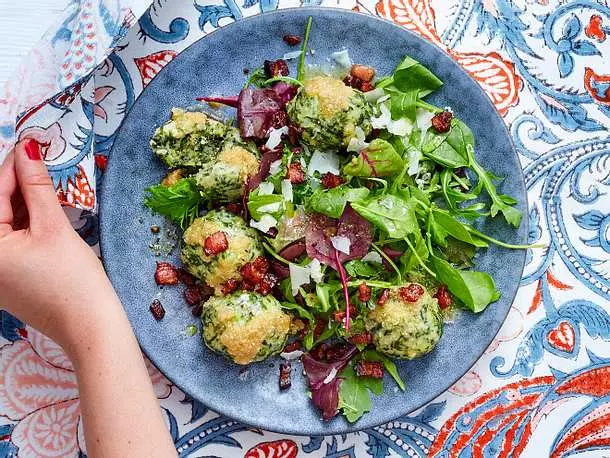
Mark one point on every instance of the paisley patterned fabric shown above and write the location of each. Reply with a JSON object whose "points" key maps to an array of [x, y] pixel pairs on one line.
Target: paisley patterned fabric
{"points": [[543, 386]]}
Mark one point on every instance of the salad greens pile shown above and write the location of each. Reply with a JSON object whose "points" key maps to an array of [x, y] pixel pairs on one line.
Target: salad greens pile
{"points": [[387, 221]]}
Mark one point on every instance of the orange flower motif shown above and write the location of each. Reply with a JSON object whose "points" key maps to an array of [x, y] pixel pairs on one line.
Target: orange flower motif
{"points": [[38, 389]]}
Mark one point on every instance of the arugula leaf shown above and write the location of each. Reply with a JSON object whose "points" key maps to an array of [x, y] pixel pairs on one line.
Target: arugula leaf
{"points": [[257, 78], [354, 397], [361, 269], [410, 75], [449, 148], [301, 311], [454, 198], [272, 204], [332, 202], [404, 104], [390, 367], [445, 224], [475, 289], [499, 202], [394, 215], [179, 202], [408, 260], [379, 159], [458, 252]]}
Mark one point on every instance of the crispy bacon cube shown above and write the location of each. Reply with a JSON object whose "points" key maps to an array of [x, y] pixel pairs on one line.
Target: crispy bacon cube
{"points": [[364, 292], [330, 180], [291, 40], [295, 173], [157, 310], [166, 274], [229, 287], [383, 297], [285, 374], [443, 296], [275, 68], [362, 339], [373, 369], [362, 72], [411, 293], [441, 122], [215, 243]]}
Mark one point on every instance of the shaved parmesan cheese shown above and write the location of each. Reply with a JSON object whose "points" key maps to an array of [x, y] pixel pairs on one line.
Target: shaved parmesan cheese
{"points": [[323, 163], [413, 158], [424, 119], [400, 127], [357, 143], [275, 167], [299, 276], [384, 118], [291, 355], [275, 137], [291, 55], [265, 188], [331, 376], [374, 95], [341, 243], [342, 58], [372, 256], [270, 208], [315, 270], [265, 224], [287, 190]]}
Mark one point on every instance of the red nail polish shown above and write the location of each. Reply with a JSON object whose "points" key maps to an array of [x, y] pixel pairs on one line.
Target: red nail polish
{"points": [[32, 149]]}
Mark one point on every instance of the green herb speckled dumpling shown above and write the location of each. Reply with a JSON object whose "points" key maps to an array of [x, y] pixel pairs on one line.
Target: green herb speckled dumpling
{"points": [[403, 329], [191, 139], [216, 270], [245, 326], [328, 111], [224, 180]]}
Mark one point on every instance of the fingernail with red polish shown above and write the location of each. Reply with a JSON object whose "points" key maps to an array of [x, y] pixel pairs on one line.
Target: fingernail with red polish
{"points": [[32, 149]]}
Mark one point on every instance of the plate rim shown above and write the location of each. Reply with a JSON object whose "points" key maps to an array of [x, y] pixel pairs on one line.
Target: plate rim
{"points": [[351, 427]]}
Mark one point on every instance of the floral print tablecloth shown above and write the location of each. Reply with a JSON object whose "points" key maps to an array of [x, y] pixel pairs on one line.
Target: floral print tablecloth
{"points": [[543, 386]]}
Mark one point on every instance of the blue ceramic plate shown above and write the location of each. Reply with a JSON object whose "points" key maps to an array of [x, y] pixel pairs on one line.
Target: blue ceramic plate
{"points": [[214, 65]]}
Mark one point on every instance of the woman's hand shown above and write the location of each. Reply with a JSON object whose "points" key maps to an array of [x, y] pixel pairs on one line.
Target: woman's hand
{"points": [[52, 280], [48, 275]]}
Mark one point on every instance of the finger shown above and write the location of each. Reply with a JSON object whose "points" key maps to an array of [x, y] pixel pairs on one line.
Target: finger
{"points": [[8, 187], [21, 219], [36, 186]]}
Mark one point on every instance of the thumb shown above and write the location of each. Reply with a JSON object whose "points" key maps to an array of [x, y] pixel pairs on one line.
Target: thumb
{"points": [[36, 185]]}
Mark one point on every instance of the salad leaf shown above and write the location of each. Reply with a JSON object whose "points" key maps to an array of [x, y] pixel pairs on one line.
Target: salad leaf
{"points": [[354, 397], [350, 225], [301, 311], [410, 75], [325, 396], [454, 198], [379, 159], [449, 148], [444, 223], [394, 215], [332, 202], [404, 104], [390, 367], [408, 259], [361, 269], [500, 202], [179, 202], [475, 289], [260, 205]]}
